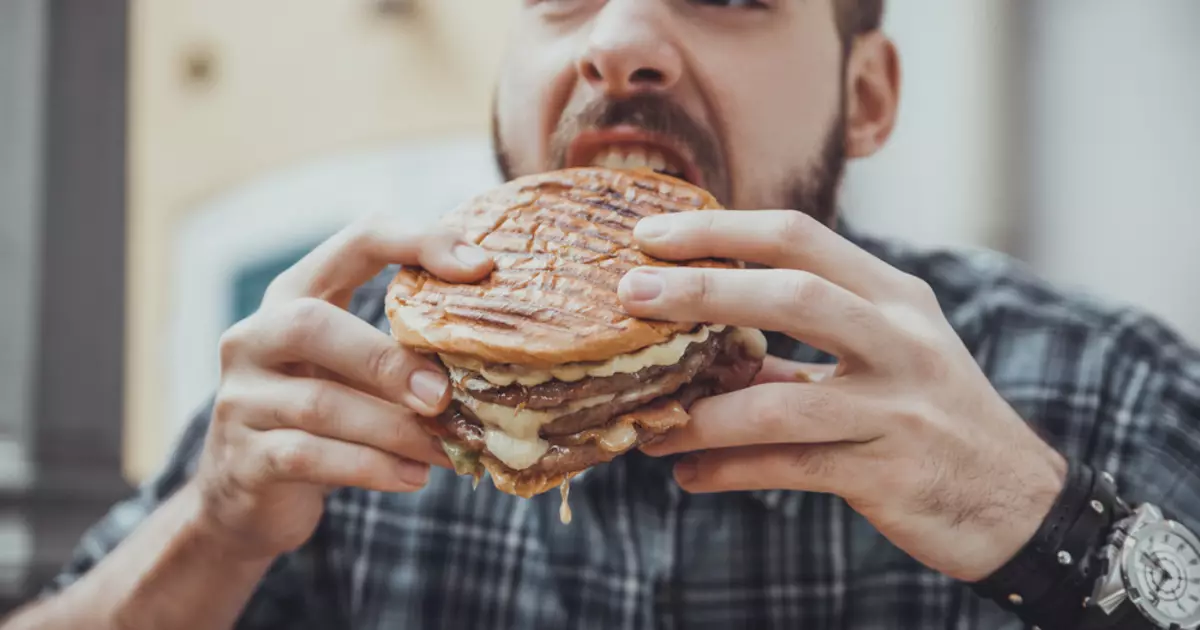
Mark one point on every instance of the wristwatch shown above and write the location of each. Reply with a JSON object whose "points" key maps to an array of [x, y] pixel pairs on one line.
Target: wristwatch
{"points": [[1151, 575]]}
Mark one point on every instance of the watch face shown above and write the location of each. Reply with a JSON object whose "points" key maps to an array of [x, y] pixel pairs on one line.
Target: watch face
{"points": [[1162, 574]]}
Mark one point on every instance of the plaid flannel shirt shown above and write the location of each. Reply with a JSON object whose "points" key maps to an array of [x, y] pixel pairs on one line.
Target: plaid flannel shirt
{"points": [[1101, 383]]}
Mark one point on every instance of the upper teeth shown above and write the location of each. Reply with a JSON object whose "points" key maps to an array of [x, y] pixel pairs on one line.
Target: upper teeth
{"points": [[635, 158]]}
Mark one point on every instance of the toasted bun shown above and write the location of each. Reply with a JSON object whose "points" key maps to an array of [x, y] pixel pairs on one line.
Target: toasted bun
{"points": [[561, 241]]}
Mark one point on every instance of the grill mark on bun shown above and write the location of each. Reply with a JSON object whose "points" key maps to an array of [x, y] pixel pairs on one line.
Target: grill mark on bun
{"points": [[561, 242]]}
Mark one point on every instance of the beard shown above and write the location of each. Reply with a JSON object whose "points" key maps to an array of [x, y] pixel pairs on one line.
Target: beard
{"points": [[812, 188]]}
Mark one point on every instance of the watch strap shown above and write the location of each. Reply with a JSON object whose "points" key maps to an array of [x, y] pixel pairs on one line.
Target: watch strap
{"points": [[1065, 605], [1046, 583], [1029, 575]]}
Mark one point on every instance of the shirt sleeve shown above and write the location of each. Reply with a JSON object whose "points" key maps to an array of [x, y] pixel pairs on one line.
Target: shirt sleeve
{"points": [[282, 599], [1153, 420], [120, 521], [278, 601]]}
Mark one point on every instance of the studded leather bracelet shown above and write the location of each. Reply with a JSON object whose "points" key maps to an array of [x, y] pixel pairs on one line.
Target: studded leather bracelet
{"points": [[1046, 583]]}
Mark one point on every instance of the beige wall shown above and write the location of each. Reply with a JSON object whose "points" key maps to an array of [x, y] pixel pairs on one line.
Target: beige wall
{"points": [[224, 91]]}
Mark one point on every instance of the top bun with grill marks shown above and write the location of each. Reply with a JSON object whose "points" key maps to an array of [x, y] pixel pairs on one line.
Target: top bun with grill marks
{"points": [[562, 242]]}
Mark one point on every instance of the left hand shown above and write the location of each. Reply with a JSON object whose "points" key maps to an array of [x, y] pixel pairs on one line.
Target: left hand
{"points": [[907, 430]]}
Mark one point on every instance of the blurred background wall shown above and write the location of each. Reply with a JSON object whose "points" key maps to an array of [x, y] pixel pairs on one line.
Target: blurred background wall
{"points": [[258, 129], [161, 160]]}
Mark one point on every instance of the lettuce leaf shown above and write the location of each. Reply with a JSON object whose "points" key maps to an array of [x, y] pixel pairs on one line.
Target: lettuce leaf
{"points": [[466, 462]]}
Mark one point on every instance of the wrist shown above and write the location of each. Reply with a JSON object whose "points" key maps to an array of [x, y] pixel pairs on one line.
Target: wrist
{"points": [[1025, 499], [1048, 579], [205, 528], [1043, 488]]}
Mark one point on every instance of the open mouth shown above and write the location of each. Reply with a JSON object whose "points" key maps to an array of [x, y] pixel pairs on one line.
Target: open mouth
{"points": [[630, 148]]}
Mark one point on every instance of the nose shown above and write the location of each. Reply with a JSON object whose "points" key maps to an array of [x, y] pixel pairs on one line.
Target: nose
{"points": [[629, 51]]}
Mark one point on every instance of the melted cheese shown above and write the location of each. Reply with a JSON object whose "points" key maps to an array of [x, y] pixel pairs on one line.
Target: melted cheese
{"points": [[511, 433], [524, 423], [666, 353], [516, 453], [564, 510], [512, 436], [618, 437]]}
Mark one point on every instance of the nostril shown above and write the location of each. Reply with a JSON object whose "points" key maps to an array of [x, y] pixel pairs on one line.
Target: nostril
{"points": [[647, 75], [591, 72]]}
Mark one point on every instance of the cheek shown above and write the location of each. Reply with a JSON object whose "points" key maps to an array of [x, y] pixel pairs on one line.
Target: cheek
{"points": [[528, 102], [517, 115], [776, 120]]}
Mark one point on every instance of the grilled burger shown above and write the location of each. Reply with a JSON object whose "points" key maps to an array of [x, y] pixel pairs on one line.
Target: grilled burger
{"points": [[549, 375]]}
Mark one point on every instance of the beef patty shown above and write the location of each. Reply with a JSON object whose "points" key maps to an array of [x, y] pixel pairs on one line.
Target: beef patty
{"points": [[555, 393], [729, 369], [630, 391]]}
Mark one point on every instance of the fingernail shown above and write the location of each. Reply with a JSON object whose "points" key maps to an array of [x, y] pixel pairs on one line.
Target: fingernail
{"points": [[641, 285], [651, 228], [413, 473], [428, 386], [470, 255], [685, 470]]}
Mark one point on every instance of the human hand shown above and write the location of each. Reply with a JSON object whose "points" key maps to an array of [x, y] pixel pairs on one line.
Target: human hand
{"points": [[907, 430], [311, 397]]}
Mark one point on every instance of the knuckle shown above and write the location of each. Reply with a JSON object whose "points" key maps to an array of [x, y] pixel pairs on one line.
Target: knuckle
{"points": [[703, 224], [364, 232], [288, 458], [227, 405], [305, 320], [438, 238], [909, 419], [795, 229], [366, 225], [313, 407], [714, 472], [804, 289], [232, 344], [276, 287], [393, 438], [387, 363], [918, 290], [771, 415], [699, 287]]}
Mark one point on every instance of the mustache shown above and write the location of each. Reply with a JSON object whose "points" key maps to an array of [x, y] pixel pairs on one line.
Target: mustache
{"points": [[650, 112]]}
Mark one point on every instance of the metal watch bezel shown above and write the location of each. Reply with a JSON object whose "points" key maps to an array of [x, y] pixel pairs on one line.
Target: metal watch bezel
{"points": [[1127, 557]]}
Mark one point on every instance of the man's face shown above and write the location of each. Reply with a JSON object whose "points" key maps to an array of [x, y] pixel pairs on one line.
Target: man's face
{"points": [[743, 97]]}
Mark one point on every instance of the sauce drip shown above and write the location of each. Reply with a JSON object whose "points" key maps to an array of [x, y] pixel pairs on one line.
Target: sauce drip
{"points": [[564, 510]]}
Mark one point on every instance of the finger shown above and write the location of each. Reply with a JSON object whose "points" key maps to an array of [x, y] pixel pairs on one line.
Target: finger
{"points": [[775, 413], [338, 412], [775, 238], [785, 239], [824, 468], [797, 303], [777, 370], [290, 455], [313, 331], [354, 255]]}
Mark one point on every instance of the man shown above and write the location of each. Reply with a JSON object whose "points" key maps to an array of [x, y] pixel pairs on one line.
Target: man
{"points": [[891, 492]]}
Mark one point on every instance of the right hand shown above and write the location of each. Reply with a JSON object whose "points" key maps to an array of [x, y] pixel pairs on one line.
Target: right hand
{"points": [[311, 397]]}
